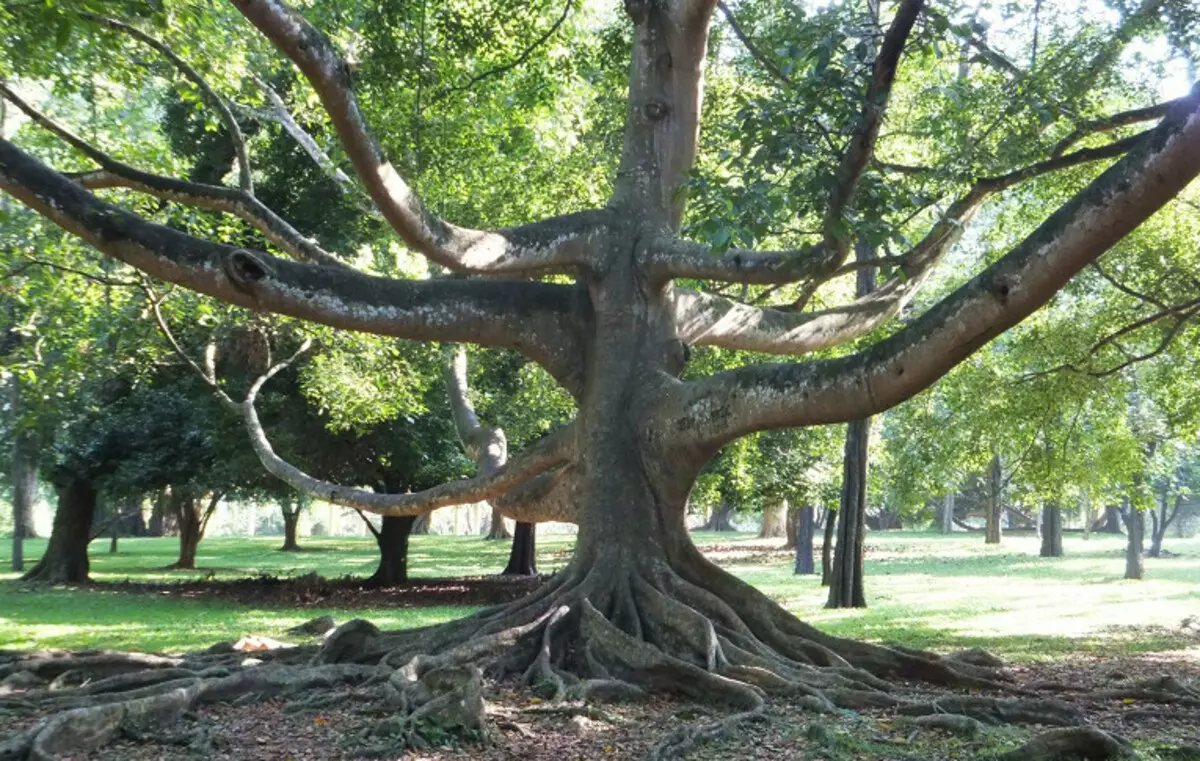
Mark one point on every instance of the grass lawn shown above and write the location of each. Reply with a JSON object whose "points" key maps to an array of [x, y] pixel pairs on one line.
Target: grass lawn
{"points": [[925, 590]]}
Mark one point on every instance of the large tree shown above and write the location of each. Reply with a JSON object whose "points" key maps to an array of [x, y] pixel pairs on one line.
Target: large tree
{"points": [[611, 301]]}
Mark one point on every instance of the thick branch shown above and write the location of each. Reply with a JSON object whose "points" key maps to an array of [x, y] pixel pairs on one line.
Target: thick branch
{"points": [[239, 203], [555, 245], [1116, 121], [716, 321], [245, 180], [758, 397], [536, 319]]}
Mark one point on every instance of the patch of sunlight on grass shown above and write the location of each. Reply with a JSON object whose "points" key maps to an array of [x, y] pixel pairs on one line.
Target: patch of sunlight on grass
{"points": [[925, 590]]}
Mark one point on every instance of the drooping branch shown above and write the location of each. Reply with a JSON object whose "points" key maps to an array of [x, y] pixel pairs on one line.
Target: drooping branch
{"points": [[560, 244], [538, 320], [245, 178], [717, 321], [758, 397], [236, 202]]}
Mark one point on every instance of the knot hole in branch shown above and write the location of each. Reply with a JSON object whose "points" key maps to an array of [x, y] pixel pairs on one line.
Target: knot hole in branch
{"points": [[655, 110], [245, 269]]}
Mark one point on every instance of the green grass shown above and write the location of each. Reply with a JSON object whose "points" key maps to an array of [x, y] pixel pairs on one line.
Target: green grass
{"points": [[925, 590]]}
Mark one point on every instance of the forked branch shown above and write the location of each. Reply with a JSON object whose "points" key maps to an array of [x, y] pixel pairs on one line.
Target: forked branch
{"points": [[561, 244], [758, 397]]}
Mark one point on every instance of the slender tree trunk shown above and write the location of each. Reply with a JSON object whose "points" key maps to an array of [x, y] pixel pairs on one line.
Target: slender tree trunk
{"points": [[805, 527], [24, 492], [831, 521], [948, 514], [846, 578], [497, 530], [1052, 533], [522, 560], [994, 509], [392, 540], [1161, 520], [774, 518], [66, 558]]}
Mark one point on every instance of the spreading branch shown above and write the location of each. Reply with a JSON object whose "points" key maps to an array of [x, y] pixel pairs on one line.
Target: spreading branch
{"points": [[278, 112], [717, 321], [560, 244], [245, 178], [758, 397], [538, 320], [236, 202]]}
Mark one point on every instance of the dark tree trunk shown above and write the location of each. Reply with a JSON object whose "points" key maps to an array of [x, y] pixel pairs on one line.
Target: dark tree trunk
{"points": [[497, 530], [1112, 520], [66, 558], [392, 540], [522, 559], [24, 491], [789, 525], [831, 520], [993, 508], [805, 527], [290, 510], [846, 577], [1161, 519], [192, 515], [947, 514], [1135, 524], [774, 520], [721, 519], [1052, 530]]}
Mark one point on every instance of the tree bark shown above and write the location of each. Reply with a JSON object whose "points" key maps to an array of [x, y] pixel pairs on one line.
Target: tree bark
{"points": [[790, 526], [948, 513], [392, 540], [291, 520], [721, 519], [994, 511], [1135, 524], [846, 579], [774, 520], [805, 529], [522, 559], [420, 525], [831, 522], [497, 530], [66, 558], [192, 515], [1052, 530], [1160, 520], [1112, 520], [24, 491]]}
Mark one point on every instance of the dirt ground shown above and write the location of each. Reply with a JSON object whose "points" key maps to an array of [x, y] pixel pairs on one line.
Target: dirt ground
{"points": [[521, 727]]}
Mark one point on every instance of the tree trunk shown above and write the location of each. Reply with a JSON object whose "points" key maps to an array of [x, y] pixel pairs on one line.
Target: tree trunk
{"points": [[790, 525], [291, 519], [1135, 524], [420, 525], [1052, 533], [993, 508], [24, 491], [66, 558], [948, 514], [497, 530], [522, 559], [805, 528], [1112, 520], [392, 540], [831, 521], [1161, 520], [846, 578], [720, 520], [192, 515], [774, 519]]}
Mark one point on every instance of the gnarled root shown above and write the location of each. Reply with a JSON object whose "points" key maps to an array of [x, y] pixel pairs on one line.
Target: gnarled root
{"points": [[1087, 743]]}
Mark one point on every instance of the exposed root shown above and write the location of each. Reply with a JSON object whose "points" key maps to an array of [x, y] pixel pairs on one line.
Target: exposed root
{"points": [[1075, 743], [999, 711]]}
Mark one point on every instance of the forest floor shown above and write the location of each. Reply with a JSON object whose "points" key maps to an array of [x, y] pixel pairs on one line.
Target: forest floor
{"points": [[1068, 622]]}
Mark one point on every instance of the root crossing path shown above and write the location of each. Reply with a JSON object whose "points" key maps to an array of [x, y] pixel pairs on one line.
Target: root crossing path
{"points": [[584, 638]]}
